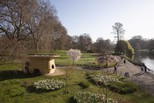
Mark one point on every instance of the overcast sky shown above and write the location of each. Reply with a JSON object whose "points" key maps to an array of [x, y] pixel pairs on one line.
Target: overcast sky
{"points": [[96, 17]]}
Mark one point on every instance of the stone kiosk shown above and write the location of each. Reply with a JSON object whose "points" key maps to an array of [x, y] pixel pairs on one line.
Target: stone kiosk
{"points": [[44, 64]]}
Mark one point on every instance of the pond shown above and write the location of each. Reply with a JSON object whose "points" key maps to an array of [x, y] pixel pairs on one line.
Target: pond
{"points": [[147, 59], [149, 62]]}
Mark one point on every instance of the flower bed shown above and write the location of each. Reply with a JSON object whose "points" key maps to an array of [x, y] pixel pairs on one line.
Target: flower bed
{"points": [[49, 85], [103, 79], [114, 84], [87, 97]]}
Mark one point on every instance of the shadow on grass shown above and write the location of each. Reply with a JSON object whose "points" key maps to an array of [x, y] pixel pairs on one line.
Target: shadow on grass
{"points": [[32, 89], [15, 74], [71, 100]]}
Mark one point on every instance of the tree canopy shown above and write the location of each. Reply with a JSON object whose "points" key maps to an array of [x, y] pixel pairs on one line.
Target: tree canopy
{"points": [[124, 47]]}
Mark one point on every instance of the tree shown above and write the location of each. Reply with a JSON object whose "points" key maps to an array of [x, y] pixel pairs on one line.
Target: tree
{"points": [[69, 42], [102, 46], [124, 47], [15, 19], [48, 28], [61, 42], [118, 30], [75, 42], [85, 42], [151, 45], [139, 43], [29, 25], [74, 54]]}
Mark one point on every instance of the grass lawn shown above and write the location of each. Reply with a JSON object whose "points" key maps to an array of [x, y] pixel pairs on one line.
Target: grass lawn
{"points": [[64, 59], [12, 91]]}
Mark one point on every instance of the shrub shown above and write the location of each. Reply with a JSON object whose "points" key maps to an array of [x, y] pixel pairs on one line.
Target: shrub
{"points": [[107, 61], [87, 97], [123, 87], [114, 84], [74, 54], [11, 82], [49, 85], [90, 65], [103, 79], [84, 84], [124, 47], [16, 90]]}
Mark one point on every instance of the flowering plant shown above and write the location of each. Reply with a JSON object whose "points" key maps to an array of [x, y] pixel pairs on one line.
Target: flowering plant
{"points": [[49, 84], [104, 79], [74, 54], [87, 97], [106, 58]]}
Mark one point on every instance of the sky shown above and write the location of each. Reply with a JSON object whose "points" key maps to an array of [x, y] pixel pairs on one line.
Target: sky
{"points": [[96, 17]]}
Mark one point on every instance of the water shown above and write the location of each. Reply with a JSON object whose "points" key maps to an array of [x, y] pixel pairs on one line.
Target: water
{"points": [[148, 60]]}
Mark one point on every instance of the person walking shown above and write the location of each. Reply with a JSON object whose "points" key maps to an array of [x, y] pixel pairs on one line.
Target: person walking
{"points": [[142, 70], [115, 70], [124, 61], [145, 68]]}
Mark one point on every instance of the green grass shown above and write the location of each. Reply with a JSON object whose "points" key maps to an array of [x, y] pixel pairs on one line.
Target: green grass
{"points": [[12, 79], [10, 66], [76, 76], [86, 60], [64, 59], [53, 97]]}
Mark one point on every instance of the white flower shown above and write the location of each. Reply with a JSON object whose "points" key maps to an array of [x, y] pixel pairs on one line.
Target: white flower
{"points": [[74, 54], [49, 84]]}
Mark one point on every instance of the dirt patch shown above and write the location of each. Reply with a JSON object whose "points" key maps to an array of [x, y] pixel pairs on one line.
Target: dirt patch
{"points": [[57, 73]]}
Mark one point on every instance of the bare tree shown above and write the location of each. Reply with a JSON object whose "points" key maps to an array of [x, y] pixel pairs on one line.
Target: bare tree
{"points": [[75, 42], [48, 32], [151, 45], [58, 34], [103, 46], [45, 20], [15, 17], [62, 41], [118, 30], [85, 42], [28, 25]]}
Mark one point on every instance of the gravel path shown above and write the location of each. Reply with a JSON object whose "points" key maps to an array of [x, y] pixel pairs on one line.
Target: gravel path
{"points": [[144, 80]]}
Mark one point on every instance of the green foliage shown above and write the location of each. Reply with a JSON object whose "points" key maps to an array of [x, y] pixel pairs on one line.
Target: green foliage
{"points": [[16, 90], [11, 82], [107, 64], [124, 47], [10, 66], [123, 87], [141, 97], [103, 80], [90, 66], [64, 59], [58, 96], [84, 84], [87, 97], [49, 85], [114, 84]]}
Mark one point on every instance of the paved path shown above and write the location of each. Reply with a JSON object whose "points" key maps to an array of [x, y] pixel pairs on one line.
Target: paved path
{"points": [[144, 80]]}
